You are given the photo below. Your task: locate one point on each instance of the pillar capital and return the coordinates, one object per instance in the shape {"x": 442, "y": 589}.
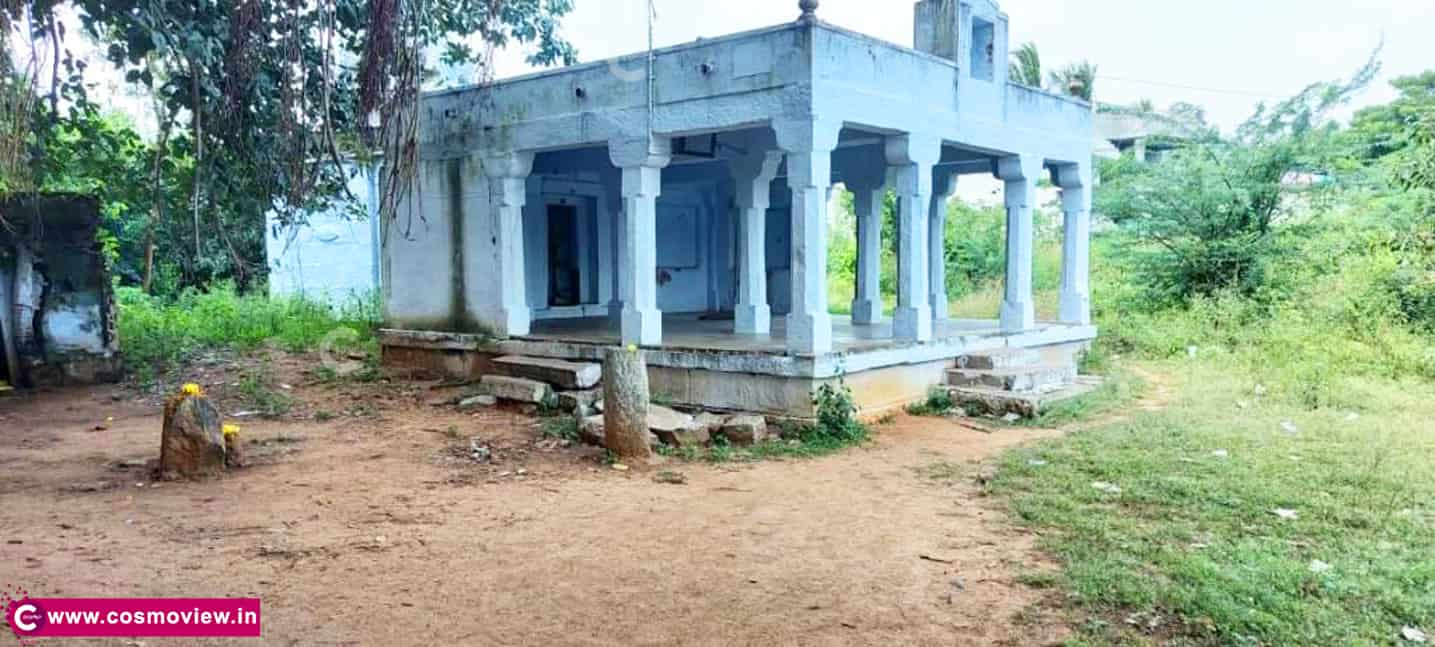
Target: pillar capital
{"x": 754, "y": 169}
{"x": 641, "y": 151}
{"x": 507, "y": 165}
{"x": 1072, "y": 176}
{"x": 1019, "y": 167}
{"x": 806, "y": 134}
{"x": 913, "y": 148}
{"x": 944, "y": 183}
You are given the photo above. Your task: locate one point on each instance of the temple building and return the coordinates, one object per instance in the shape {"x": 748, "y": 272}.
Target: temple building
{"x": 678, "y": 200}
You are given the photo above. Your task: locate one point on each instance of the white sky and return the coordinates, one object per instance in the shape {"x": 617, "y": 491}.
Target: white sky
{"x": 1237, "y": 51}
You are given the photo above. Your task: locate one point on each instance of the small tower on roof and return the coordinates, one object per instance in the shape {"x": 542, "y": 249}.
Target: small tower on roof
{"x": 809, "y": 10}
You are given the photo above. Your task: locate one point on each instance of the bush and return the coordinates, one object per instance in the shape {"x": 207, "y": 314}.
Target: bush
{"x": 156, "y": 331}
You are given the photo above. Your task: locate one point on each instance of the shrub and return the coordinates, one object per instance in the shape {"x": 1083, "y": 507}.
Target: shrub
{"x": 156, "y": 331}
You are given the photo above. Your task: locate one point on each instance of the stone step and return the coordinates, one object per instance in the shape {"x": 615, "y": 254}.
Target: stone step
{"x": 1025, "y": 379}
{"x": 1009, "y": 358}
{"x": 999, "y": 402}
{"x": 517, "y": 389}
{"x": 565, "y": 375}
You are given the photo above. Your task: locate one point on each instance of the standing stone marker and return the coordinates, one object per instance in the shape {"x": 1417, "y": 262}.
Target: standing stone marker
{"x": 625, "y": 404}
{"x": 192, "y": 442}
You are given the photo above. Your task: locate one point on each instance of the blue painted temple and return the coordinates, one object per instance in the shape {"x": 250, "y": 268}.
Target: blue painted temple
{"x": 679, "y": 200}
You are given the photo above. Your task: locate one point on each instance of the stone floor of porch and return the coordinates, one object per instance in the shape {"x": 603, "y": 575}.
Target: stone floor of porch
{"x": 708, "y": 333}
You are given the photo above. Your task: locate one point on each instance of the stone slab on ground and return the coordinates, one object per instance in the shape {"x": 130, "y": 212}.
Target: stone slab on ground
{"x": 1023, "y": 379}
{"x": 745, "y": 430}
{"x": 517, "y": 389}
{"x": 561, "y": 374}
{"x": 590, "y": 432}
{"x": 995, "y": 401}
{"x": 1009, "y": 358}
{"x": 477, "y": 402}
{"x": 579, "y": 400}
{"x": 676, "y": 428}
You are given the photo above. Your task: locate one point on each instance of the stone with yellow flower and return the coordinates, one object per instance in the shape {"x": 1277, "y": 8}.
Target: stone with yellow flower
{"x": 233, "y": 448}
{"x": 192, "y": 443}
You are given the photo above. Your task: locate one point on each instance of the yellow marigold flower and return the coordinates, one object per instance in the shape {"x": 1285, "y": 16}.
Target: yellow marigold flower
{"x": 192, "y": 389}
{"x": 230, "y": 430}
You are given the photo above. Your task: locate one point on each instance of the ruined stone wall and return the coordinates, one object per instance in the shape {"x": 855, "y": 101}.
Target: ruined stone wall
{"x": 59, "y": 320}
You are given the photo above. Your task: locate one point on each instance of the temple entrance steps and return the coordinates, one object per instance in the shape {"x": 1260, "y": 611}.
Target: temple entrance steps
{"x": 1021, "y": 381}
{"x": 561, "y": 374}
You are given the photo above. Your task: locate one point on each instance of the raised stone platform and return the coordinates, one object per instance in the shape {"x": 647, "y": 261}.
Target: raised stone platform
{"x": 703, "y": 364}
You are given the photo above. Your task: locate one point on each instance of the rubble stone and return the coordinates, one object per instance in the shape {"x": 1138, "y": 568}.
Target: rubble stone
{"x": 517, "y": 389}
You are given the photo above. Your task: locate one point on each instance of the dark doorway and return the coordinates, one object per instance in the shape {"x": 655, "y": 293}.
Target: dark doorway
{"x": 564, "y": 276}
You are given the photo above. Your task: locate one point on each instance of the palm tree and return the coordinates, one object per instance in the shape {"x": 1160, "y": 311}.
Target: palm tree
{"x": 1026, "y": 66}
{"x": 1077, "y": 80}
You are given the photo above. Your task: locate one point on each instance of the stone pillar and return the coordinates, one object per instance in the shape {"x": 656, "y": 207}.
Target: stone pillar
{"x": 642, "y": 162}
{"x": 808, "y": 144}
{"x": 753, "y": 176}
{"x": 1075, "y": 183}
{"x": 944, "y": 184}
{"x": 507, "y": 175}
{"x": 867, "y": 305}
{"x": 912, "y": 158}
{"x": 1020, "y": 173}
{"x": 1138, "y": 149}
{"x": 617, "y": 269}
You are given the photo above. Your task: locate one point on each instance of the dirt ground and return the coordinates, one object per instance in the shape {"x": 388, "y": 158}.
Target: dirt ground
{"x": 364, "y": 520}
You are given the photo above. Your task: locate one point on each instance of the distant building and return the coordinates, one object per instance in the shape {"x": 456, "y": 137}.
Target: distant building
{"x": 334, "y": 256}
{"x": 1147, "y": 137}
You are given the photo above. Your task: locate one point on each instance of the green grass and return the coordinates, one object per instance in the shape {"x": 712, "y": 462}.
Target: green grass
{"x": 258, "y": 388}
{"x": 157, "y": 332}
{"x": 561, "y": 428}
{"x": 1192, "y": 536}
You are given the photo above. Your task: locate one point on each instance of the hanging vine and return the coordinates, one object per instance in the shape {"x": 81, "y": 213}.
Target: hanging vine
{"x": 263, "y": 101}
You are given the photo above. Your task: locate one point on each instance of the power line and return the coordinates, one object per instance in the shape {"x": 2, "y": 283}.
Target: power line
{"x": 1178, "y": 86}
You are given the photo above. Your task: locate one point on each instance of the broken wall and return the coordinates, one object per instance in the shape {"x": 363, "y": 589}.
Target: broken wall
{"x": 58, "y": 308}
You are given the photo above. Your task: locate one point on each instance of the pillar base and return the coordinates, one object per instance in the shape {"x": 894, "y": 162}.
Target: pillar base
{"x": 1076, "y": 309}
{"x": 941, "y": 310}
{"x": 912, "y": 324}
{"x": 752, "y": 320}
{"x": 809, "y": 334}
{"x": 1017, "y": 317}
{"x": 642, "y": 327}
{"x": 515, "y": 322}
{"x": 866, "y": 312}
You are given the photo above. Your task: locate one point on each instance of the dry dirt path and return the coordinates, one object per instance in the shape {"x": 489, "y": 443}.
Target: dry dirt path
{"x": 377, "y": 530}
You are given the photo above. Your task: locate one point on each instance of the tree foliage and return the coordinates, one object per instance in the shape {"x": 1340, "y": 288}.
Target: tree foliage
{"x": 257, "y": 99}
{"x": 1026, "y": 66}
{"x": 1208, "y": 214}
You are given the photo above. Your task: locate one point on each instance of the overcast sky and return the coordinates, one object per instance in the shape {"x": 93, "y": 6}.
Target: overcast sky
{"x": 1227, "y": 54}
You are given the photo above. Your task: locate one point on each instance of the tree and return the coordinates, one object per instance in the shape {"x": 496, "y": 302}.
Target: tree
{"x": 266, "y": 96}
{"x": 1077, "y": 80}
{"x": 1026, "y": 66}
{"x": 1208, "y": 213}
